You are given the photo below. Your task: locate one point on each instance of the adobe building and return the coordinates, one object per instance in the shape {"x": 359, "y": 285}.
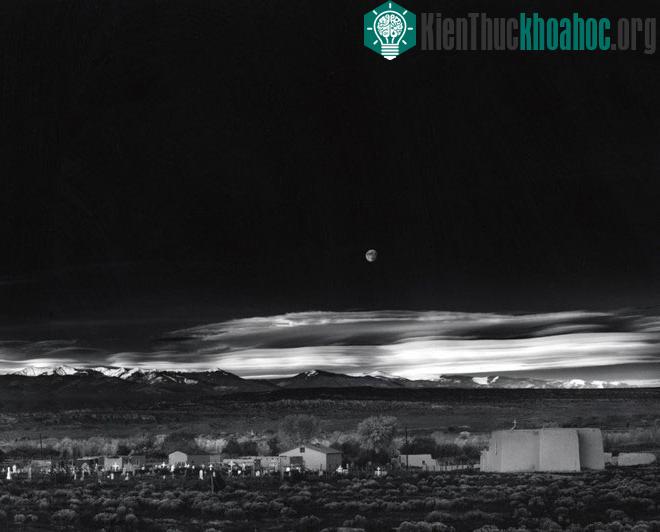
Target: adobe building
{"x": 592, "y": 455}
{"x": 314, "y": 457}
{"x": 552, "y": 449}
{"x": 635, "y": 459}
{"x": 263, "y": 463}
{"x": 113, "y": 463}
{"x": 131, "y": 462}
{"x": 422, "y": 461}
{"x": 181, "y": 459}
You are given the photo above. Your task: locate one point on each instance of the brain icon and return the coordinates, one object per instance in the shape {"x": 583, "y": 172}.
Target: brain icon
{"x": 390, "y": 26}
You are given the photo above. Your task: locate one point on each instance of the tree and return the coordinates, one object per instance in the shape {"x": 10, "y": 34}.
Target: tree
{"x": 233, "y": 448}
{"x": 123, "y": 449}
{"x": 421, "y": 445}
{"x": 350, "y": 450}
{"x": 377, "y": 433}
{"x": 180, "y": 441}
{"x": 354, "y": 455}
{"x": 299, "y": 428}
{"x": 249, "y": 448}
{"x": 274, "y": 446}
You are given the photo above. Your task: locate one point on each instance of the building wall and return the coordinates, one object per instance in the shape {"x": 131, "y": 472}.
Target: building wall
{"x": 559, "y": 450}
{"x": 41, "y": 465}
{"x": 178, "y": 458}
{"x": 592, "y": 455}
{"x": 486, "y": 460}
{"x": 492, "y": 458}
{"x": 516, "y": 450}
{"x": 315, "y": 460}
{"x": 136, "y": 460}
{"x": 199, "y": 459}
{"x": 113, "y": 463}
{"x": 247, "y": 461}
{"x": 483, "y": 461}
{"x": 333, "y": 461}
{"x": 425, "y": 461}
{"x": 272, "y": 462}
{"x": 544, "y": 450}
{"x": 312, "y": 459}
{"x": 632, "y": 459}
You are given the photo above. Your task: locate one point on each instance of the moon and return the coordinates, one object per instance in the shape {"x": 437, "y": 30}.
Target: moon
{"x": 371, "y": 255}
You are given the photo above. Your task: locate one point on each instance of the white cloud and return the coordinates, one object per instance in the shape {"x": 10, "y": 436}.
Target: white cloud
{"x": 405, "y": 343}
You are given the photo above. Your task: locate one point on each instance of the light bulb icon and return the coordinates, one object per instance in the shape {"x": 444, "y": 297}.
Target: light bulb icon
{"x": 389, "y": 27}
{"x": 389, "y": 30}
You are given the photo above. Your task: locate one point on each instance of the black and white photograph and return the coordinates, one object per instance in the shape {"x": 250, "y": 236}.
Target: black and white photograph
{"x": 329, "y": 266}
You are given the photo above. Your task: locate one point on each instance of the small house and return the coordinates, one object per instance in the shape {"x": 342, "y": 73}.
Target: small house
{"x": 179, "y": 458}
{"x": 131, "y": 462}
{"x": 264, "y": 463}
{"x": 314, "y": 457}
{"x": 271, "y": 463}
{"x": 421, "y": 461}
{"x": 113, "y": 463}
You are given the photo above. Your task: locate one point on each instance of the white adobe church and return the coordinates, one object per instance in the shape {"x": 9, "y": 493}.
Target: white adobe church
{"x": 552, "y": 449}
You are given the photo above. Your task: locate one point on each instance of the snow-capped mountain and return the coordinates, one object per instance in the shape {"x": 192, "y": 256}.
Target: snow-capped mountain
{"x": 581, "y": 383}
{"x": 384, "y": 376}
{"x": 326, "y": 379}
{"x": 38, "y": 371}
{"x": 112, "y": 371}
{"x": 223, "y": 380}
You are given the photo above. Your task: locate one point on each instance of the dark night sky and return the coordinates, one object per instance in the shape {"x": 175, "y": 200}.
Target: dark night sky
{"x": 196, "y": 161}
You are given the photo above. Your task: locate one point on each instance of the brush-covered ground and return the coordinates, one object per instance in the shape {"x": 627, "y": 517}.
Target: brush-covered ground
{"x": 629, "y": 418}
{"x": 428, "y": 410}
{"x": 613, "y": 500}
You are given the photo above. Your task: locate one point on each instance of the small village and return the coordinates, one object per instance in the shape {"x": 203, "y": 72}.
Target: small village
{"x": 529, "y": 450}
{"x": 525, "y": 479}
{"x": 301, "y": 461}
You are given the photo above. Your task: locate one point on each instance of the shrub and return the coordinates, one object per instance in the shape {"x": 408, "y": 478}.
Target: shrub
{"x": 309, "y": 523}
{"x": 64, "y": 517}
{"x": 105, "y": 518}
{"x": 235, "y": 514}
{"x": 436, "y": 516}
{"x": 422, "y": 526}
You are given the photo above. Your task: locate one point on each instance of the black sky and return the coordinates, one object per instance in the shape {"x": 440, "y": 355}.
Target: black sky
{"x": 206, "y": 160}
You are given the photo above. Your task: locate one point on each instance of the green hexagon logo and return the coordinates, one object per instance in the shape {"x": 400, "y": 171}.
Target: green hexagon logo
{"x": 390, "y": 30}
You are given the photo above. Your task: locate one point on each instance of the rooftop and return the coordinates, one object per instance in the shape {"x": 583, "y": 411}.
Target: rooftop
{"x": 320, "y": 448}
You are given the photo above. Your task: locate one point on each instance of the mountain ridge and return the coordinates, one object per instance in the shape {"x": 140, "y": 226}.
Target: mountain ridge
{"x": 220, "y": 379}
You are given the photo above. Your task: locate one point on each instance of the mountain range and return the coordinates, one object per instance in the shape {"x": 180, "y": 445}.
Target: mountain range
{"x": 218, "y": 380}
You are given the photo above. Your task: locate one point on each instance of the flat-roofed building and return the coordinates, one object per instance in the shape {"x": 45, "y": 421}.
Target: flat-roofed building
{"x": 179, "y": 458}
{"x": 551, "y": 449}
{"x": 422, "y": 461}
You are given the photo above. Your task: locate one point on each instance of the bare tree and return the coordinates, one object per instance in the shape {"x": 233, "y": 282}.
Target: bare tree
{"x": 299, "y": 428}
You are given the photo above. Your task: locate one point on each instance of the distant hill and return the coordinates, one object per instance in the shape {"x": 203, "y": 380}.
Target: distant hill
{"x": 326, "y": 379}
{"x": 105, "y": 387}
{"x": 218, "y": 380}
{"x": 66, "y": 385}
